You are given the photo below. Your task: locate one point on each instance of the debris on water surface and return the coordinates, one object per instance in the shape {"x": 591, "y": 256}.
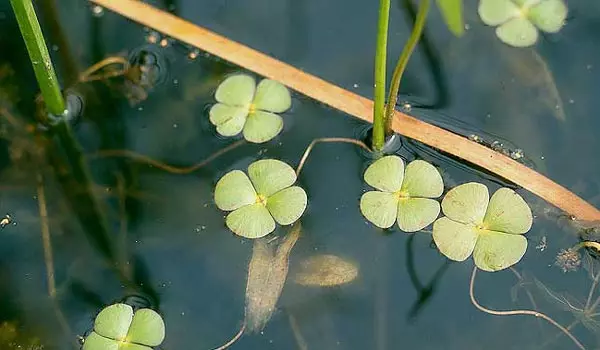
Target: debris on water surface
{"x": 326, "y": 271}
{"x": 568, "y": 260}
{"x": 6, "y": 220}
{"x": 267, "y": 273}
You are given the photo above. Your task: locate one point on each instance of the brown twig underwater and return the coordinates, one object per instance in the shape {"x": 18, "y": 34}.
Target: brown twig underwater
{"x": 90, "y": 73}
{"x": 163, "y": 166}
{"x": 327, "y": 139}
{"x": 517, "y": 312}
{"x": 235, "y": 338}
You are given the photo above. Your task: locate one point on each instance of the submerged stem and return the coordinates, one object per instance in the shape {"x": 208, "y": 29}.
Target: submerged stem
{"x": 379, "y": 123}
{"x": 403, "y": 62}
{"x": 517, "y": 312}
{"x": 39, "y": 56}
{"x": 327, "y": 139}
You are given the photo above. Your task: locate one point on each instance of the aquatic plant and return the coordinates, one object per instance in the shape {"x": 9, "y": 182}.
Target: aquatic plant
{"x": 326, "y": 270}
{"x": 518, "y": 21}
{"x": 244, "y": 107}
{"x": 489, "y": 228}
{"x": 403, "y": 195}
{"x": 260, "y": 198}
{"x": 117, "y": 327}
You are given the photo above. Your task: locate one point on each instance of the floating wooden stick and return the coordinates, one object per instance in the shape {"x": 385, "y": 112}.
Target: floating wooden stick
{"x": 353, "y": 104}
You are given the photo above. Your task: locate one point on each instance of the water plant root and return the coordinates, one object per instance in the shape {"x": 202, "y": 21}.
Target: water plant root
{"x": 327, "y": 139}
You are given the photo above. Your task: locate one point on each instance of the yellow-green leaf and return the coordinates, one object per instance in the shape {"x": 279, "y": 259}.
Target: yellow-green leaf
{"x": 452, "y": 12}
{"x": 229, "y": 120}
{"x": 267, "y": 272}
{"x": 508, "y": 212}
{"x": 94, "y": 341}
{"x": 251, "y": 221}
{"x": 421, "y": 179}
{"x": 262, "y": 126}
{"x": 548, "y": 15}
{"x": 496, "y": 12}
{"x": 234, "y": 190}
{"x": 113, "y": 321}
{"x": 287, "y": 205}
{"x": 147, "y": 328}
{"x": 270, "y": 176}
{"x": 272, "y": 96}
{"x": 414, "y": 214}
{"x": 454, "y": 239}
{"x": 236, "y": 90}
{"x": 517, "y": 32}
{"x": 326, "y": 271}
{"x": 380, "y": 208}
{"x": 496, "y": 250}
{"x": 466, "y": 203}
{"x": 386, "y": 174}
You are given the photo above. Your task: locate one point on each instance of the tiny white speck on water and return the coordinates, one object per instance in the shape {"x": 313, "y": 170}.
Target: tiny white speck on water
{"x": 54, "y": 48}
{"x": 355, "y": 86}
{"x": 571, "y": 101}
{"x": 97, "y": 11}
{"x": 175, "y": 125}
{"x": 467, "y": 26}
{"x": 542, "y": 158}
{"x": 140, "y": 108}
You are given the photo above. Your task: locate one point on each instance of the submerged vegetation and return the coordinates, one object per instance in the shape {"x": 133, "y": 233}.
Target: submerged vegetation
{"x": 491, "y": 229}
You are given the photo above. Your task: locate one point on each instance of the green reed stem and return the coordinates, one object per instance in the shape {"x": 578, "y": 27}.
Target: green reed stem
{"x": 38, "y": 53}
{"x": 403, "y": 62}
{"x": 379, "y": 123}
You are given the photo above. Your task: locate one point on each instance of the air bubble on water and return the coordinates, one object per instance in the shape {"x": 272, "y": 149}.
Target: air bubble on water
{"x": 355, "y": 86}
{"x": 467, "y": 26}
{"x": 165, "y": 42}
{"x": 406, "y": 107}
{"x": 97, "y": 11}
{"x": 192, "y": 55}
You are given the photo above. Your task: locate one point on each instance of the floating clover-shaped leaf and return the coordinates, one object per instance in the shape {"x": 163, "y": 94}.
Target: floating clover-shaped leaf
{"x": 518, "y": 21}
{"x": 404, "y": 196}
{"x": 257, "y": 202}
{"x": 117, "y": 327}
{"x": 490, "y": 229}
{"x": 243, "y": 106}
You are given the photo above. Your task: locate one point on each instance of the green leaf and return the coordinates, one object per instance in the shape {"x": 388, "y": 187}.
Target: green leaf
{"x": 496, "y": 251}
{"x": 496, "y": 12}
{"x": 251, "y": 221}
{"x": 380, "y": 208}
{"x": 466, "y": 203}
{"x": 229, "y": 120}
{"x": 452, "y": 12}
{"x": 548, "y": 15}
{"x": 132, "y": 346}
{"x": 414, "y": 214}
{"x": 287, "y": 205}
{"x": 517, "y": 32}
{"x": 508, "y": 212}
{"x": 234, "y": 190}
{"x": 147, "y": 328}
{"x": 236, "y": 90}
{"x": 386, "y": 174}
{"x": 113, "y": 321}
{"x": 454, "y": 239}
{"x": 94, "y": 341}
{"x": 272, "y": 96}
{"x": 421, "y": 179}
{"x": 262, "y": 126}
{"x": 270, "y": 176}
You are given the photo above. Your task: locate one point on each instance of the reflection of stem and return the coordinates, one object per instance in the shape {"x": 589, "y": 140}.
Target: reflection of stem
{"x": 166, "y": 167}
{"x": 300, "y": 341}
{"x": 123, "y": 227}
{"x": 46, "y": 237}
{"x": 556, "y": 336}
{"x": 234, "y": 339}
{"x": 591, "y": 292}
{"x": 89, "y": 74}
{"x": 529, "y": 295}
{"x": 327, "y": 139}
{"x": 517, "y": 312}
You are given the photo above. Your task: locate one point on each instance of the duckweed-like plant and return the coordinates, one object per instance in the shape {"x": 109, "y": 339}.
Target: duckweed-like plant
{"x": 244, "y": 107}
{"x": 489, "y": 228}
{"x": 403, "y": 195}
{"x": 260, "y": 198}
{"x": 117, "y": 327}
{"x": 518, "y": 21}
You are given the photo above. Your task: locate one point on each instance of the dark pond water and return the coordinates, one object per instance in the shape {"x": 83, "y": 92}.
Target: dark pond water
{"x": 170, "y": 242}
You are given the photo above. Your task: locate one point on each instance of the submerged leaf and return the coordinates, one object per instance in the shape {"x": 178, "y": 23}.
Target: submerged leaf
{"x": 386, "y": 174}
{"x": 267, "y": 273}
{"x": 113, "y": 321}
{"x": 236, "y": 90}
{"x": 452, "y": 12}
{"x": 272, "y": 96}
{"x": 326, "y": 271}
